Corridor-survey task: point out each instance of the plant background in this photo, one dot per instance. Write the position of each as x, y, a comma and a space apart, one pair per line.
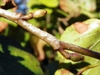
24, 53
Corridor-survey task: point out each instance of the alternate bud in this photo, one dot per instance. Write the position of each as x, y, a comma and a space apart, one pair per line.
76, 57
37, 14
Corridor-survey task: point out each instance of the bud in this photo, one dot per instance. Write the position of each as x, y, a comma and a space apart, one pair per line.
37, 14
76, 57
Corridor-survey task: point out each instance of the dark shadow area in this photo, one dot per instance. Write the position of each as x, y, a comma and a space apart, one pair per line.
38, 6
52, 67
9, 64
80, 18
98, 5
73, 67
17, 34
19, 31
8, 5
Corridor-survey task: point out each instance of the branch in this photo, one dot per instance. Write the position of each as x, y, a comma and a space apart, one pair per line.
80, 50
50, 39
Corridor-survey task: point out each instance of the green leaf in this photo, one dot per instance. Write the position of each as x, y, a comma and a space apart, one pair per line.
31, 3
96, 70
50, 3
49, 10
9, 22
63, 72
1, 2
16, 60
36, 4
89, 5
84, 34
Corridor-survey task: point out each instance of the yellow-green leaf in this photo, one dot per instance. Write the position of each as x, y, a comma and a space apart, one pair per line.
49, 3
84, 34
16, 60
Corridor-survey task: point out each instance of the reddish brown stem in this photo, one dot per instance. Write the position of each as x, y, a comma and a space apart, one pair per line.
80, 50
72, 56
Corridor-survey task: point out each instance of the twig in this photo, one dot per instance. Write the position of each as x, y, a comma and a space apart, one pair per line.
80, 50
31, 28
48, 38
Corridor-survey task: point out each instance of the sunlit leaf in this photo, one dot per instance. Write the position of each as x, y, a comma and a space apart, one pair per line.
2, 3
84, 34
31, 3
89, 5
16, 60
63, 72
49, 3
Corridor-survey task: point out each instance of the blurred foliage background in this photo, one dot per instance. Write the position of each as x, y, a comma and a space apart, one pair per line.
60, 15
